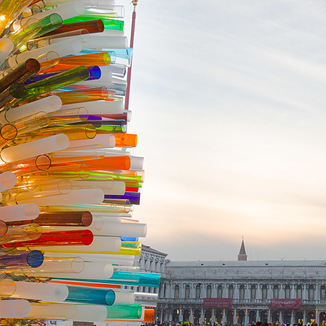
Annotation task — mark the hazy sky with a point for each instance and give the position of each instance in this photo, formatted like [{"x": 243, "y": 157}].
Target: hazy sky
[{"x": 229, "y": 102}]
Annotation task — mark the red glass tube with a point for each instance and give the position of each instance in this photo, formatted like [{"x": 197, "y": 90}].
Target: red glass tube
[{"x": 63, "y": 238}]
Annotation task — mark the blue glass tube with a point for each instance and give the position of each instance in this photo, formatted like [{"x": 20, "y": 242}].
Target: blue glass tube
[
  {"x": 90, "y": 295},
  {"x": 94, "y": 73},
  {"x": 133, "y": 197},
  {"x": 23, "y": 259},
  {"x": 139, "y": 279},
  {"x": 129, "y": 239},
  {"x": 114, "y": 53}
]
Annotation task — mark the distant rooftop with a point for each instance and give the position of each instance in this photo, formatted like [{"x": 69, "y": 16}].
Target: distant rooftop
[{"x": 153, "y": 250}]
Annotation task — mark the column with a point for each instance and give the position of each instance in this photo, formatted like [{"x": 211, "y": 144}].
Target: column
[
  {"x": 292, "y": 317},
  {"x": 224, "y": 295},
  {"x": 269, "y": 316},
  {"x": 170, "y": 315},
  {"x": 180, "y": 315},
  {"x": 235, "y": 317},
  {"x": 281, "y": 317},
  {"x": 202, "y": 291},
  {"x": 202, "y": 317},
  {"x": 257, "y": 316},
  {"x": 246, "y": 317},
  {"x": 168, "y": 290},
  {"x": 224, "y": 317},
  {"x": 182, "y": 290},
  {"x": 317, "y": 317},
  {"x": 236, "y": 291},
  {"x": 191, "y": 317},
  {"x": 213, "y": 316},
  {"x": 304, "y": 317}
]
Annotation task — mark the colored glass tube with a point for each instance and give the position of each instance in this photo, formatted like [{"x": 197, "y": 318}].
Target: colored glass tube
[
  {"x": 24, "y": 259},
  {"x": 65, "y": 78},
  {"x": 133, "y": 197},
  {"x": 23, "y": 71},
  {"x": 19, "y": 233},
  {"x": 112, "y": 163},
  {"x": 35, "y": 29},
  {"x": 125, "y": 140},
  {"x": 64, "y": 238},
  {"x": 99, "y": 59},
  {"x": 11, "y": 95},
  {"x": 124, "y": 311},
  {"x": 139, "y": 279},
  {"x": 108, "y": 22},
  {"x": 90, "y": 296},
  {"x": 77, "y": 218},
  {"x": 92, "y": 26}
]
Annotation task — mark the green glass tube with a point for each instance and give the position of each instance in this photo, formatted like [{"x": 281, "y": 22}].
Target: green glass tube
[
  {"x": 108, "y": 22},
  {"x": 124, "y": 311},
  {"x": 52, "y": 83},
  {"x": 37, "y": 29},
  {"x": 90, "y": 295}
]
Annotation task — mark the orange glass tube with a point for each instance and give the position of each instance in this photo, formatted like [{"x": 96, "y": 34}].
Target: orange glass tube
[
  {"x": 149, "y": 315},
  {"x": 125, "y": 140},
  {"x": 83, "y": 95},
  {"x": 98, "y": 59},
  {"x": 92, "y": 26},
  {"x": 109, "y": 163}
]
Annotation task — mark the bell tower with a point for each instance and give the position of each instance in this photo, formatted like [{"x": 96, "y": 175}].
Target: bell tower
[{"x": 242, "y": 253}]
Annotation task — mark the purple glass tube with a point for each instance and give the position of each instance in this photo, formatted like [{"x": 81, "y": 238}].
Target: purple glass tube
[
  {"x": 22, "y": 259},
  {"x": 133, "y": 197}
]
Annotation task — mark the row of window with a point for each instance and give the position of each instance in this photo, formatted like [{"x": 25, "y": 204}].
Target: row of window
[
  {"x": 151, "y": 265},
  {"x": 253, "y": 292}
]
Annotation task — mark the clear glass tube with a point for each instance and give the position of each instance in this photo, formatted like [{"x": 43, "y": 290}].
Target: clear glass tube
[
  {"x": 52, "y": 311},
  {"x": 98, "y": 107},
  {"x": 14, "y": 308},
  {"x": 7, "y": 180}
]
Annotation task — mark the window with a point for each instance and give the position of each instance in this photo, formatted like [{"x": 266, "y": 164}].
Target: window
[
  {"x": 253, "y": 292},
  {"x": 164, "y": 290},
  {"x": 287, "y": 292},
  {"x": 219, "y": 291},
  {"x": 209, "y": 291},
  {"x": 276, "y": 292},
  {"x": 264, "y": 292},
  {"x": 230, "y": 292},
  {"x": 187, "y": 292},
  {"x": 241, "y": 292},
  {"x": 299, "y": 292},
  {"x": 198, "y": 291},
  {"x": 311, "y": 292},
  {"x": 176, "y": 292},
  {"x": 323, "y": 293}
]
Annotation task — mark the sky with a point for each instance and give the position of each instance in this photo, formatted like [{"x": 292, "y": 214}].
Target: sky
[{"x": 229, "y": 103}]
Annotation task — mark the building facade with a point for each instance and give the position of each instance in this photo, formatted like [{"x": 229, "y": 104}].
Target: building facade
[{"x": 236, "y": 292}]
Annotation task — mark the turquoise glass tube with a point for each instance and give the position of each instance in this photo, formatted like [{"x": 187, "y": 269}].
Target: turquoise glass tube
[
  {"x": 124, "y": 311},
  {"x": 90, "y": 295},
  {"x": 119, "y": 53},
  {"x": 139, "y": 279}
]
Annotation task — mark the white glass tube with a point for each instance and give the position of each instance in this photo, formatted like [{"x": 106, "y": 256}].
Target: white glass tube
[
  {"x": 98, "y": 107},
  {"x": 35, "y": 148},
  {"x": 91, "y": 313},
  {"x": 45, "y": 105},
  {"x": 19, "y": 212},
  {"x": 7, "y": 181},
  {"x": 62, "y": 49},
  {"x": 14, "y": 308},
  {"x": 41, "y": 291},
  {"x": 107, "y": 141},
  {"x": 116, "y": 69},
  {"x": 108, "y": 187},
  {"x": 124, "y": 297},
  {"x": 136, "y": 163},
  {"x": 121, "y": 229},
  {"x": 106, "y": 42},
  {"x": 66, "y": 11},
  {"x": 52, "y": 311},
  {"x": 74, "y": 197},
  {"x": 100, "y": 245},
  {"x": 105, "y": 79},
  {"x": 6, "y": 46}
]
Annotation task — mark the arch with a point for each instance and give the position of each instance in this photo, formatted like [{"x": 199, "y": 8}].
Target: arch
[
  {"x": 219, "y": 291},
  {"x": 187, "y": 291},
  {"x": 287, "y": 316},
  {"x": 275, "y": 316},
  {"x": 241, "y": 316},
  {"x": 263, "y": 316},
  {"x": 176, "y": 292},
  {"x": 196, "y": 316},
  {"x": 186, "y": 315},
  {"x": 253, "y": 292},
  {"x": 264, "y": 292},
  {"x": 252, "y": 316},
  {"x": 287, "y": 292},
  {"x": 208, "y": 316},
  {"x": 323, "y": 293},
  {"x": 164, "y": 290},
  {"x": 209, "y": 291},
  {"x": 175, "y": 315},
  {"x": 276, "y": 292},
  {"x": 230, "y": 291},
  {"x": 241, "y": 292},
  {"x": 219, "y": 316},
  {"x": 298, "y": 317},
  {"x": 198, "y": 288},
  {"x": 229, "y": 316},
  {"x": 311, "y": 316},
  {"x": 322, "y": 318},
  {"x": 311, "y": 292},
  {"x": 299, "y": 291}
]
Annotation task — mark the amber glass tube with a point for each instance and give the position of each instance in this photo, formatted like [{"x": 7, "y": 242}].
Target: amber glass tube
[
  {"x": 92, "y": 26},
  {"x": 109, "y": 163},
  {"x": 19, "y": 233},
  {"x": 83, "y": 95},
  {"x": 74, "y": 218},
  {"x": 25, "y": 70},
  {"x": 125, "y": 140},
  {"x": 99, "y": 59}
]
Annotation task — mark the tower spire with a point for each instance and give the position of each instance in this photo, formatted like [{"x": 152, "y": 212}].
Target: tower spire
[{"x": 242, "y": 253}]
